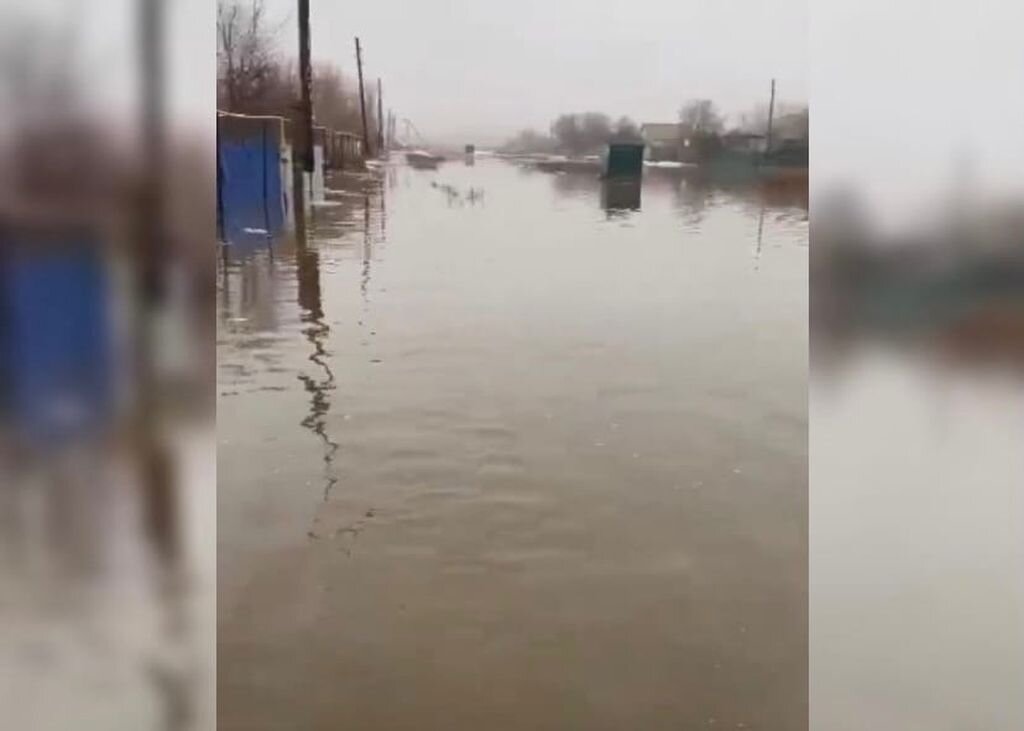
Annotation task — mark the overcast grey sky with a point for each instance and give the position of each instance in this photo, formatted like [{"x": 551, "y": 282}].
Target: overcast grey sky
[
  {"x": 900, "y": 91},
  {"x": 904, "y": 94},
  {"x": 476, "y": 69}
]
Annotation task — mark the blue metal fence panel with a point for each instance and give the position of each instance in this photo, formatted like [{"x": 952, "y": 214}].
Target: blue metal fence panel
[
  {"x": 55, "y": 341},
  {"x": 250, "y": 186}
]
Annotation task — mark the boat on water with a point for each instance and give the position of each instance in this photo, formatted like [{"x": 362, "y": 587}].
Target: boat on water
[{"x": 423, "y": 159}]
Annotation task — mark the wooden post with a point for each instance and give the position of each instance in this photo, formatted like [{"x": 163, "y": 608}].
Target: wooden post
[
  {"x": 306, "y": 81},
  {"x": 158, "y": 476},
  {"x": 771, "y": 114},
  {"x": 302, "y": 159},
  {"x": 158, "y": 481},
  {"x": 362, "y": 101},
  {"x": 380, "y": 117}
]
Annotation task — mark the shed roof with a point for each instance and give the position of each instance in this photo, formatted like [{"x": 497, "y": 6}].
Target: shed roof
[{"x": 663, "y": 132}]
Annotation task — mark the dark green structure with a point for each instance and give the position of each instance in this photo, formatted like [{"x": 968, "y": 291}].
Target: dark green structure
[{"x": 625, "y": 159}]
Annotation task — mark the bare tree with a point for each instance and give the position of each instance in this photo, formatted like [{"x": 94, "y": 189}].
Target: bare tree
[
  {"x": 790, "y": 120},
  {"x": 54, "y": 144},
  {"x": 246, "y": 60},
  {"x": 597, "y": 130},
  {"x": 579, "y": 134},
  {"x": 331, "y": 106},
  {"x": 253, "y": 78},
  {"x": 755, "y": 120},
  {"x": 528, "y": 141},
  {"x": 702, "y": 116},
  {"x": 626, "y": 130},
  {"x": 566, "y": 130}
]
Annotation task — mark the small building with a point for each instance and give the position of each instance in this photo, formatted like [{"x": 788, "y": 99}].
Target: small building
[
  {"x": 59, "y": 341},
  {"x": 791, "y": 127},
  {"x": 744, "y": 141},
  {"x": 624, "y": 159},
  {"x": 254, "y": 176},
  {"x": 671, "y": 141}
]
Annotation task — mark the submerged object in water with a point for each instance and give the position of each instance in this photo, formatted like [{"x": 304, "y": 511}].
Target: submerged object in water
[{"x": 422, "y": 159}]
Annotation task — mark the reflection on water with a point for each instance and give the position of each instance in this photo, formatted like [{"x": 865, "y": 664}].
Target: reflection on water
[
  {"x": 938, "y": 606},
  {"x": 578, "y": 504},
  {"x": 620, "y": 195},
  {"x": 364, "y": 283},
  {"x": 316, "y": 331},
  {"x": 760, "y": 234}
]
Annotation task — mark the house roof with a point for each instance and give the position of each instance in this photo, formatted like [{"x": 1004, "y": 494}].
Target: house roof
[{"x": 662, "y": 132}]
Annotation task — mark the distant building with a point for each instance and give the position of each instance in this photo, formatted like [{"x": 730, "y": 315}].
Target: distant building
[
  {"x": 790, "y": 127},
  {"x": 668, "y": 141},
  {"x": 790, "y": 140},
  {"x": 744, "y": 141}
]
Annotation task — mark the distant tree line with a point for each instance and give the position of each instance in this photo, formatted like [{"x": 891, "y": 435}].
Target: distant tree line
[
  {"x": 531, "y": 141},
  {"x": 254, "y": 78},
  {"x": 588, "y": 132},
  {"x": 576, "y": 135},
  {"x": 702, "y": 116}
]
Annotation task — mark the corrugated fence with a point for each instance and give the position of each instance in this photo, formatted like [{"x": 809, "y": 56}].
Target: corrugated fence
[{"x": 255, "y": 181}]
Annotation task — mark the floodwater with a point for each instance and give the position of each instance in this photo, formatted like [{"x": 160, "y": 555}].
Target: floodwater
[
  {"x": 917, "y": 532},
  {"x": 531, "y": 457}
]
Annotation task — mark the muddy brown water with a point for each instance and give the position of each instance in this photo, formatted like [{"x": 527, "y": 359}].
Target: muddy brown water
[{"x": 531, "y": 457}]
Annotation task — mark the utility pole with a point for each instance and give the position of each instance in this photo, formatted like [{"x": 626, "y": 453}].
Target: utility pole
[
  {"x": 157, "y": 468},
  {"x": 771, "y": 114},
  {"x": 159, "y": 479},
  {"x": 362, "y": 100},
  {"x": 303, "y": 162},
  {"x": 306, "y": 80},
  {"x": 380, "y": 117}
]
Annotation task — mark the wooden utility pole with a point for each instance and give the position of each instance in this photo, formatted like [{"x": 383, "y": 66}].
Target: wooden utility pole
[
  {"x": 771, "y": 114},
  {"x": 362, "y": 100},
  {"x": 380, "y": 117},
  {"x": 159, "y": 478},
  {"x": 306, "y": 80},
  {"x": 303, "y": 161},
  {"x": 158, "y": 483}
]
